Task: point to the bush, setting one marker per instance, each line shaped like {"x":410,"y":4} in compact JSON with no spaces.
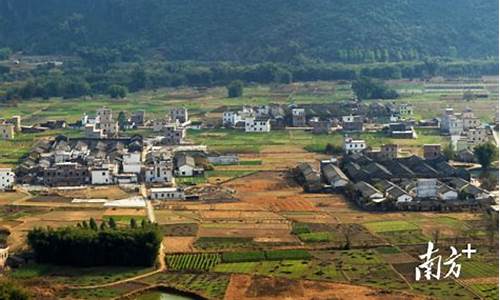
{"x":117,"y":91}
{"x":10,"y":291}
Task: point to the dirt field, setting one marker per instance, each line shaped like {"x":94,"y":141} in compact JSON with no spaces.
{"x":174,"y":244}
{"x":267,"y":288}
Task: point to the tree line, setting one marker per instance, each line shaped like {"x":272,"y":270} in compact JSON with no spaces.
{"x":85,"y":78}
{"x":90,"y":244}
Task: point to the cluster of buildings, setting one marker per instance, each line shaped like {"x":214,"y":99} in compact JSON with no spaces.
{"x":347,"y":116}
{"x":105,"y":125}
{"x":106,"y":161}
{"x":466,"y":130}
{"x":380,"y":180}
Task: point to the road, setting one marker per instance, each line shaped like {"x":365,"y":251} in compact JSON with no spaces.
{"x":149,"y":206}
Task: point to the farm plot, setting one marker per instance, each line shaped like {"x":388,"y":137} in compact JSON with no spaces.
{"x":475,"y":268}
{"x":405,"y":237}
{"x":224,"y":243}
{"x":446,"y":290}
{"x":387,"y":226}
{"x":487,"y":291}
{"x":336,"y":234}
{"x":176,"y":244}
{"x":180,"y":229}
{"x":378,"y":275}
{"x":192,"y":262}
{"x":276,"y":232}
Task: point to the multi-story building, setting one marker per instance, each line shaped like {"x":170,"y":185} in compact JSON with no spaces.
{"x":298,"y":117}
{"x":66,"y":174}
{"x":432,"y":151}
{"x":103,"y":175}
{"x":388,"y":151}
{"x":179,"y":114}
{"x":105,"y":122}
{"x":138,"y":118}
{"x":132,"y":162}
{"x":354,"y":146}
{"x":253,"y":124}
{"x":173,"y":134}
{"x":7,"y":131}
{"x":7,"y":179}
{"x":158,"y":171}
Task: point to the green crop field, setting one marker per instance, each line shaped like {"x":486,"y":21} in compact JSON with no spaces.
{"x":446,"y":290}
{"x":230,"y":257}
{"x":474,"y":268}
{"x":287,"y":254}
{"x":192,"y":262}
{"x":385,"y":226}
{"x":487,"y":291}
{"x":404,"y":237}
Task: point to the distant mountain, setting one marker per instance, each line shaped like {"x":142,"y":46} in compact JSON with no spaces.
{"x":255,"y":30}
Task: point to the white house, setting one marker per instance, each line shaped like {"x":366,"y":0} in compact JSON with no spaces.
{"x":185,"y":166}
{"x":354,"y":146}
{"x":103,"y":174}
{"x":167,"y":193}
{"x":7,"y":179}
{"x":427,"y":188}
{"x":132,"y":162}
{"x":158,"y":172}
{"x":398,"y":194}
{"x":257,"y":125}
{"x":230,"y":118}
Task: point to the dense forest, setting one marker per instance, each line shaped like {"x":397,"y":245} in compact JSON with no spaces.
{"x":251,"y":31}
{"x":90,"y":245}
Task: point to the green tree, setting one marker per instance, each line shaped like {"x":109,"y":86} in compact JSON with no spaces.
{"x":117,"y":91}
{"x":133,"y":223}
{"x":485,"y":154}
{"x":92,"y":224}
{"x":122,"y":120}
{"x":235,"y":89}
{"x":103,"y":226}
{"x":448,"y":151}
{"x":112,"y":223}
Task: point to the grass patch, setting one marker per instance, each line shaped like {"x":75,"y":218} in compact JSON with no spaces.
{"x":287,"y":254}
{"x":487,"y":291}
{"x":448,"y":290}
{"x":387,"y":226}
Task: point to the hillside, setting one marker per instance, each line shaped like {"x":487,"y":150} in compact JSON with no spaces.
{"x":254,"y":31}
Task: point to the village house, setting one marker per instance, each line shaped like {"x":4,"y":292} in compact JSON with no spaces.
{"x":158,"y":168}
{"x":309,"y":178}
{"x":92,"y":132}
{"x":369,"y":193}
{"x":104,"y":174}
{"x":132,"y":162}
{"x":426,"y":188}
{"x":432,"y":151}
{"x":401,"y":130}
{"x":7,"y":131}
{"x":321,"y":126}
{"x":298,"y":117}
{"x":386,"y":152}
{"x":354,"y":146}
{"x":105,"y":122}
{"x":253,"y":124}
{"x":179,"y":114}
{"x":352,"y":123}
{"x":66,"y":174}
{"x":173,"y":134}
{"x":167,"y":193}
{"x":7,"y":179}
{"x":138,"y":118}
{"x":334,"y":176}
{"x":185,"y":166}
{"x":446,"y":193}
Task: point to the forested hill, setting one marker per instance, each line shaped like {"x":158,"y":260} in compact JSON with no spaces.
{"x":255,"y":30}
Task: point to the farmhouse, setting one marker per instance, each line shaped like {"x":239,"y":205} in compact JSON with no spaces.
{"x":173,"y":134}
{"x":352,"y":123}
{"x":186,"y":167}
{"x":432,"y":151}
{"x":308,"y":177}
{"x":402,"y":130}
{"x":7,"y":131}
{"x":103,"y":175}
{"x":447,"y":193}
{"x":167,"y":193}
